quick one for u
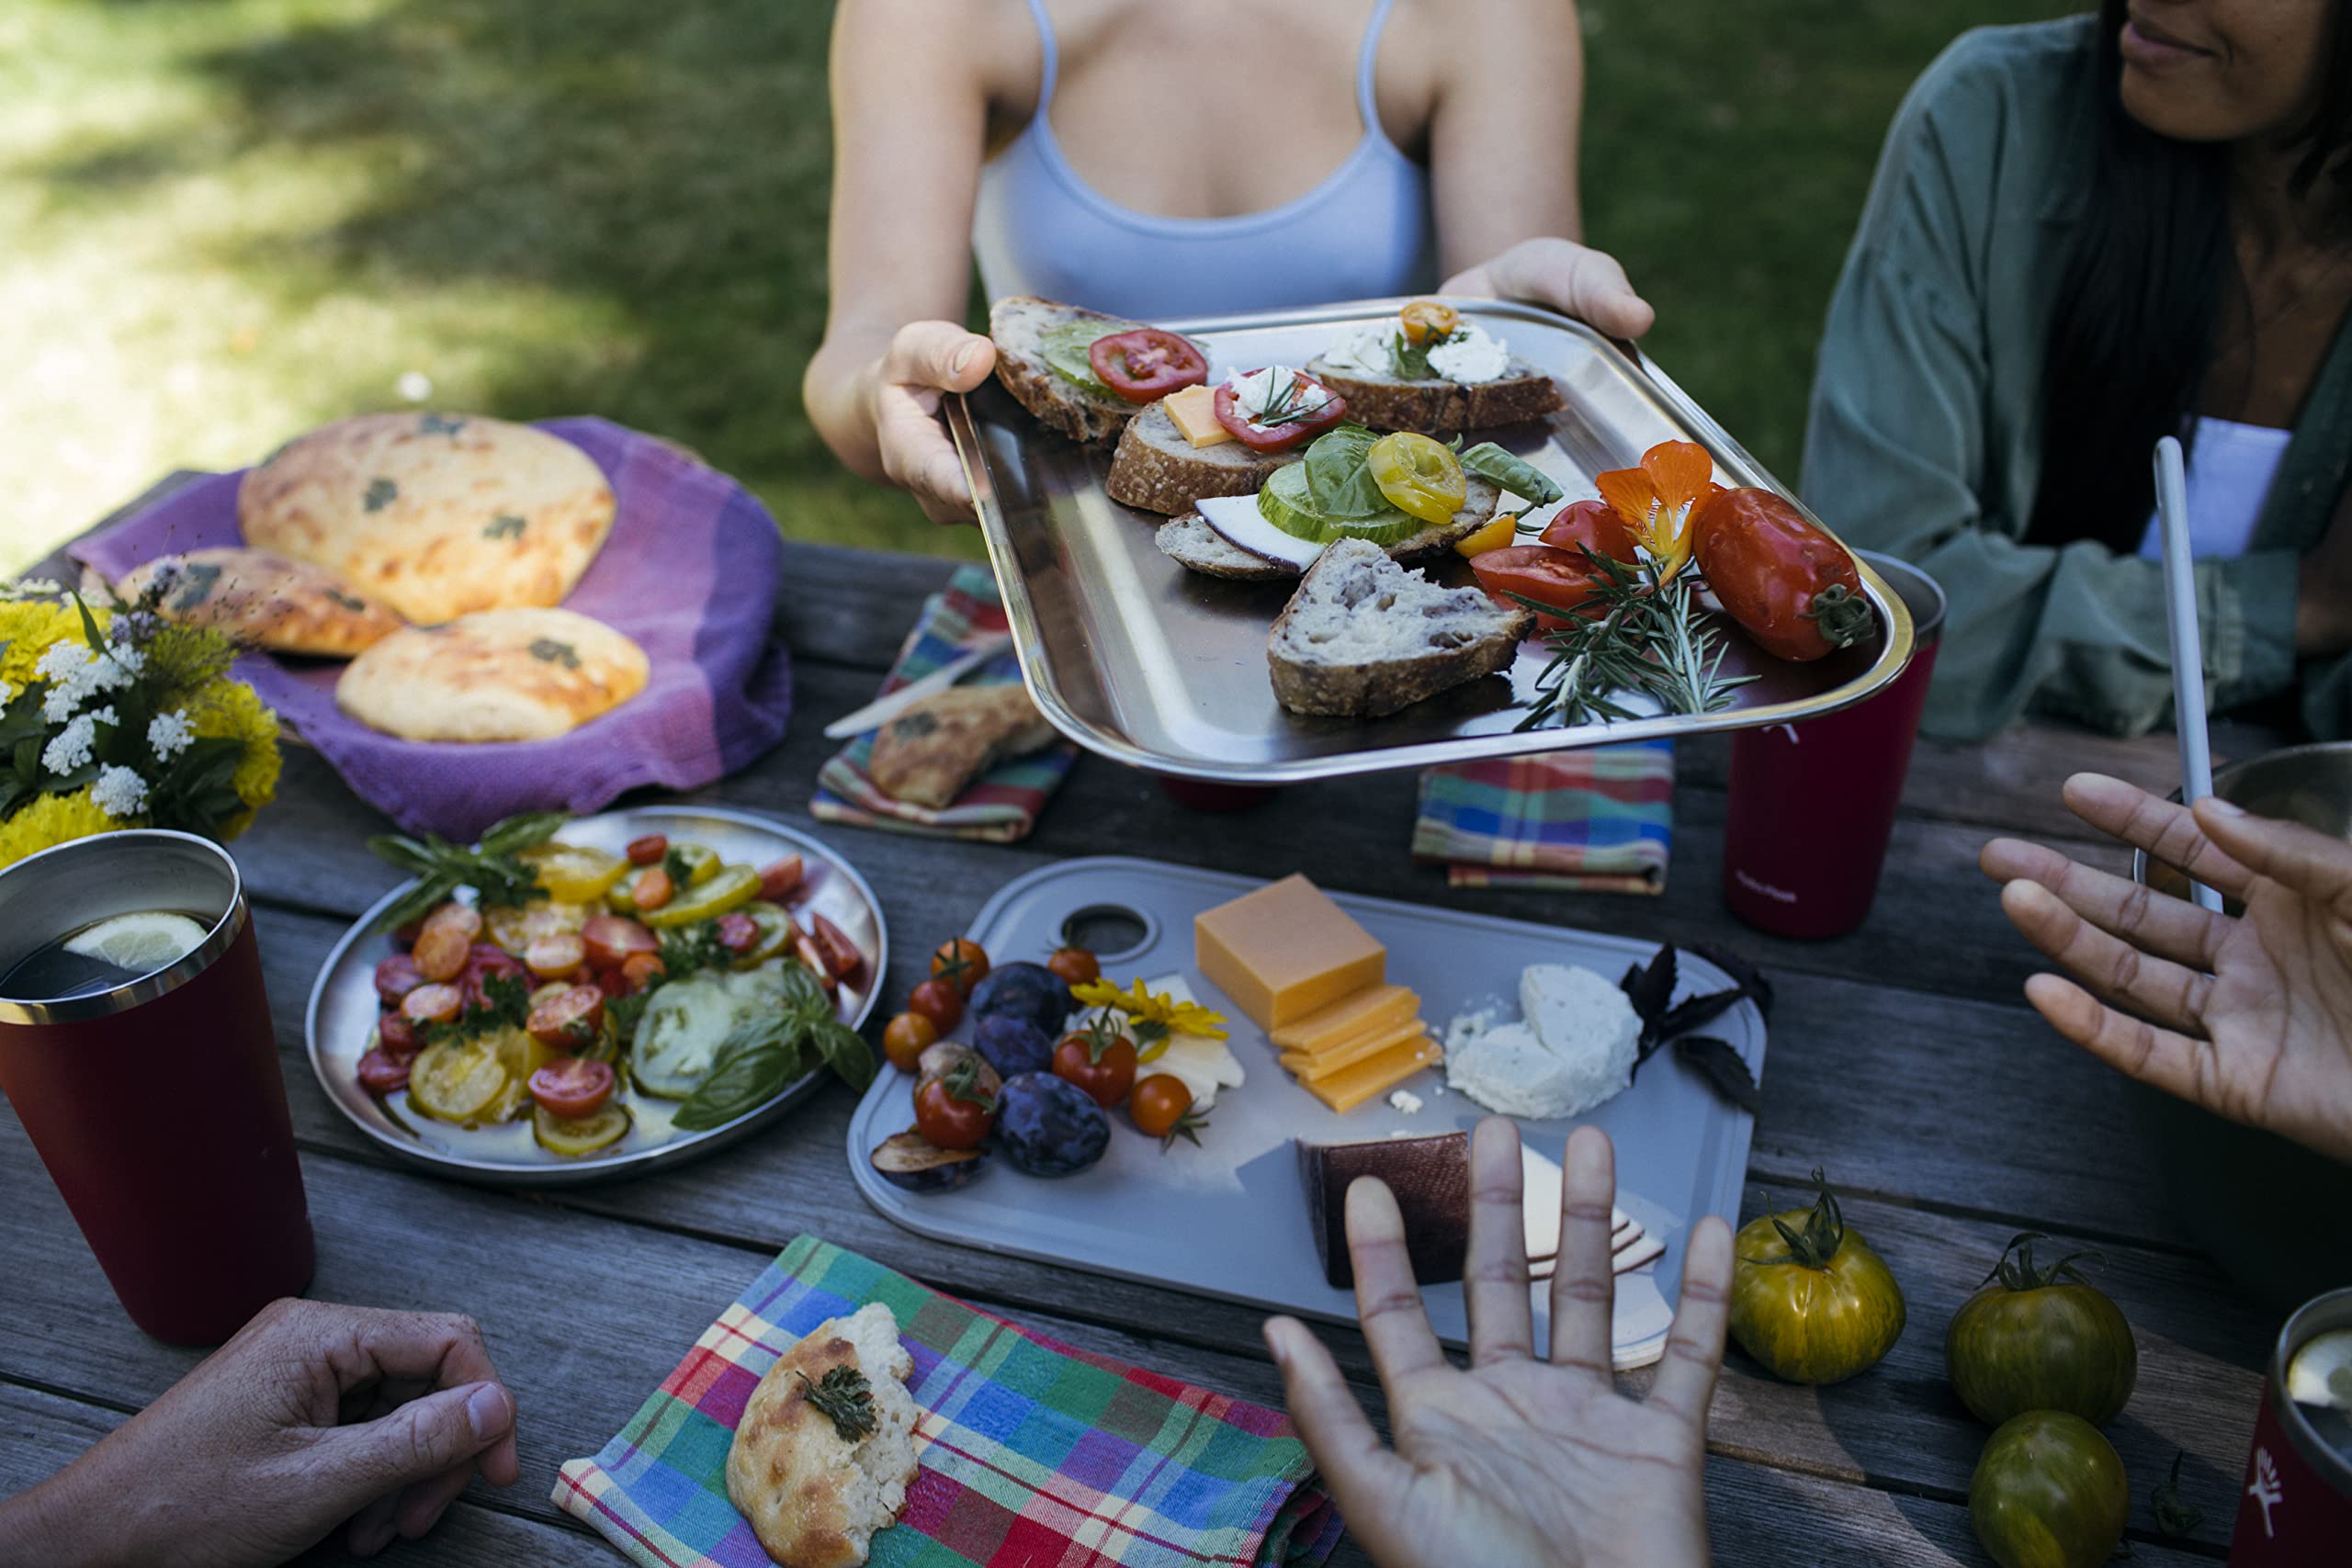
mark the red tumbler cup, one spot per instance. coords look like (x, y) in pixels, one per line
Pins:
(1812, 804)
(158, 1105)
(2295, 1507)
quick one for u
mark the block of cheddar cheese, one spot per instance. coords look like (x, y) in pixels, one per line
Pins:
(1350, 1087)
(1368, 1009)
(1284, 950)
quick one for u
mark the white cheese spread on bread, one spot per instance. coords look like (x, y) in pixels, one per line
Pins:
(1471, 355)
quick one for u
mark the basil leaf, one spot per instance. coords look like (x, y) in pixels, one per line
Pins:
(1515, 474)
(741, 1080)
(1412, 358)
(845, 1050)
(521, 832)
(406, 854)
(1064, 349)
(1338, 481)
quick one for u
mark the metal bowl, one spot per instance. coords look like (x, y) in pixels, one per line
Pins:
(2273, 1215)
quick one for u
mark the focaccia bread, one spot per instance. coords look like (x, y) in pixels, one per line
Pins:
(264, 601)
(927, 754)
(495, 675)
(825, 1450)
(436, 514)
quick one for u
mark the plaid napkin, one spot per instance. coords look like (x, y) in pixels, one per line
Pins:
(1594, 821)
(1031, 1452)
(1002, 803)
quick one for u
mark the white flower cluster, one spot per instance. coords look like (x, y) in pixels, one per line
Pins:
(75, 675)
(120, 792)
(169, 734)
(70, 747)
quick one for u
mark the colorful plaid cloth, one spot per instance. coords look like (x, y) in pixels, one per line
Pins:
(1004, 802)
(1588, 821)
(1031, 1452)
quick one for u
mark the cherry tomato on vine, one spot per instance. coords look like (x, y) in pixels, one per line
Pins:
(1074, 965)
(1159, 1105)
(1099, 1061)
(962, 960)
(938, 1000)
(905, 1038)
(953, 1110)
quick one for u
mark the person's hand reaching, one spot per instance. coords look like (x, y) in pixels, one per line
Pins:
(1514, 1460)
(1572, 278)
(313, 1415)
(2250, 1016)
(925, 361)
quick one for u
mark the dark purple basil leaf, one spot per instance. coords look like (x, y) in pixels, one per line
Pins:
(1692, 1012)
(1722, 1066)
(1651, 986)
(1751, 978)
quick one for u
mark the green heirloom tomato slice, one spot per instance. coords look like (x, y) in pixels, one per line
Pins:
(734, 886)
(679, 1037)
(777, 931)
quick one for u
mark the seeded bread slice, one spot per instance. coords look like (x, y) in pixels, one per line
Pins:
(1158, 469)
(1190, 541)
(1438, 407)
(1362, 637)
(1018, 325)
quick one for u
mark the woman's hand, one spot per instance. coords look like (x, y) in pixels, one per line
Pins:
(314, 1414)
(1573, 278)
(2252, 1016)
(925, 361)
(1515, 1462)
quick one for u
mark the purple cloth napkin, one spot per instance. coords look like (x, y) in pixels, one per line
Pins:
(691, 571)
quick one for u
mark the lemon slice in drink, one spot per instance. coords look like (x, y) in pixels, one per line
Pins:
(2320, 1373)
(142, 943)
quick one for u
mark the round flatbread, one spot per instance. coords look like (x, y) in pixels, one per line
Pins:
(438, 515)
(262, 600)
(495, 675)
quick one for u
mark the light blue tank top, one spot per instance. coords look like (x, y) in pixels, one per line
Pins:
(1364, 232)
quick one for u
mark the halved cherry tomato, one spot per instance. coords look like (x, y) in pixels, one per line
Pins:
(953, 1112)
(641, 967)
(567, 1021)
(842, 956)
(778, 878)
(1561, 580)
(395, 1035)
(653, 888)
(556, 957)
(1498, 533)
(1304, 421)
(1159, 1104)
(1419, 477)
(435, 1003)
(813, 959)
(381, 1073)
(649, 849)
(1147, 364)
(487, 961)
(441, 952)
(962, 960)
(738, 932)
(938, 1000)
(906, 1037)
(611, 939)
(572, 1088)
(463, 918)
(1101, 1063)
(1429, 321)
(610, 982)
(1790, 587)
(1595, 526)
(395, 977)
(1074, 965)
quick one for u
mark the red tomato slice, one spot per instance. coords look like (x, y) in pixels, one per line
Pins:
(738, 932)
(1594, 525)
(576, 1087)
(395, 977)
(486, 960)
(1294, 429)
(1145, 364)
(568, 1019)
(610, 938)
(1544, 574)
(841, 954)
(396, 1034)
(778, 879)
(382, 1073)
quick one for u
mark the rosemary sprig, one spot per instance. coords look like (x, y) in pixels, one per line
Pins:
(843, 1396)
(1649, 638)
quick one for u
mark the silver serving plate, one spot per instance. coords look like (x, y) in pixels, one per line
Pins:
(1132, 657)
(343, 1014)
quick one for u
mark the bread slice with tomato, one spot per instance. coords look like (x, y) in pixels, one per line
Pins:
(1043, 358)
(1156, 468)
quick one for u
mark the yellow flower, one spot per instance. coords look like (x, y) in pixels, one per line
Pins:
(1145, 1006)
(28, 628)
(230, 709)
(50, 820)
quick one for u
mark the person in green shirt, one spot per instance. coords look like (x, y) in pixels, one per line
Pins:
(2084, 235)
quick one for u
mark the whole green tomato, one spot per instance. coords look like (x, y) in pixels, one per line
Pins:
(1809, 1299)
(2048, 1491)
(2040, 1340)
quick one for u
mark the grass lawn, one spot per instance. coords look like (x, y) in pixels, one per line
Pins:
(230, 220)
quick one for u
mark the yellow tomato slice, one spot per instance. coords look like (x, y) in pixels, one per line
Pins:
(573, 874)
(516, 929)
(1430, 321)
(1494, 535)
(578, 1135)
(1417, 475)
(457, 1080)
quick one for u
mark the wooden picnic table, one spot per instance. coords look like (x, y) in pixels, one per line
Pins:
(1903, 1058)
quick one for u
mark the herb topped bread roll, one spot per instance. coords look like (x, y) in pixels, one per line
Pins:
(435, 515)
(496, 675)
(927, 754)
(825, 1451)
(263, 600)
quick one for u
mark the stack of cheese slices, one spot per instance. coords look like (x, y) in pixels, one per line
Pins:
(1316, 982)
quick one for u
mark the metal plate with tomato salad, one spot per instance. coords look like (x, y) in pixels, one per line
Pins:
(663, 991)
(1134, 657)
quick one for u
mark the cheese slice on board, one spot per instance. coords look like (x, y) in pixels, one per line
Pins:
(1375, 1074)
(1347, 1018)
(1314, 1069)
(1284, 950)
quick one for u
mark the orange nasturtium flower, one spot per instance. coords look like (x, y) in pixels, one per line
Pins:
(1658, 499)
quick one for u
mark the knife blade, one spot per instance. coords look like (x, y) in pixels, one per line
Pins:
(883, 709)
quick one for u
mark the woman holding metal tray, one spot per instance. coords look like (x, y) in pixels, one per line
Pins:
(1156, 160)
(2085, 235)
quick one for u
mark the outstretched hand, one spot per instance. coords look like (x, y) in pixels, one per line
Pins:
(1515, 1461)
(2248, 1016)
(313, 1415)
(1572, 278)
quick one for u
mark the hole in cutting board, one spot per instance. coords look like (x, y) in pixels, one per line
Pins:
(1109, 932)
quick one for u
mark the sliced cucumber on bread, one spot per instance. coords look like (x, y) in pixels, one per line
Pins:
(1363, 636)
(1194, 542)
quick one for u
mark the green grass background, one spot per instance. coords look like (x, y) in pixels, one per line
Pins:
(222, 221)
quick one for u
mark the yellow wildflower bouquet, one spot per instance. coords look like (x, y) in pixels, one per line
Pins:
(114, 717)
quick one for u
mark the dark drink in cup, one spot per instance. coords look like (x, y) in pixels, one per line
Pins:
(1811, 805)
(2295, 1500)
(136, 1048)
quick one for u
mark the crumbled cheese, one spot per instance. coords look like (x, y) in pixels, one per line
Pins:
(1257, 393)
(1371, 351)
(1406, 1100)
(1573, 1050)
(1471, 355)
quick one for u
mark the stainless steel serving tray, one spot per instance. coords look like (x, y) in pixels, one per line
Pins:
(1131, 655)
(342, 1014)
